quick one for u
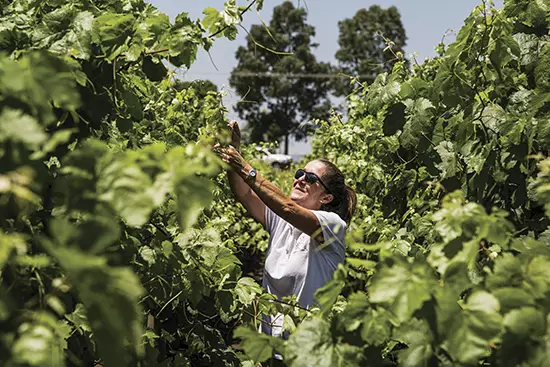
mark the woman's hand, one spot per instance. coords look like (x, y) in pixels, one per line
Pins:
(235, 134)
(231, 156)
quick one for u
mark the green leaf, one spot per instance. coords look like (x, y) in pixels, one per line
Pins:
(376, 328)
(211, 19)
(419, 114)
(42, 342)
(530, 13)
(111, 298)
(39, 261)
(10, 243)
(79, 320)
(455, 280)
(191, 168)
(383, 91)
(419, 338)
(289, 324)
(351, 317)
(185, 39)
(403, 286)
(147, 254)
(77, 39)
(415, 88)
(78, 175)
(111, 32)
(540, 355)
(457, 218)
(448, 165)
(133, 103)
(154, 69)
(247, 289)
(328, 294)
(507, 272)
(17, 127)
(474, 329)
(93, 234)
(537, 277)
(395, 119)
(525, 322)
(257, 346)
(58, 138)
(124, 186)
(54, 78)
(312, 345)
(513, 297)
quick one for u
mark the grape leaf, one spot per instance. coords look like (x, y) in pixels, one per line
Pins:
(403, 287)
(419, 338)
(312, 344)
(474, 328)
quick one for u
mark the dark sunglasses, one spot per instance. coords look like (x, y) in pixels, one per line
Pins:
(311, 178)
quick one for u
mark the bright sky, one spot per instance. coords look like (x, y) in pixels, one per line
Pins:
(425, 22)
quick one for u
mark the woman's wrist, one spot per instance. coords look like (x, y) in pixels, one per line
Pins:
(246, 168)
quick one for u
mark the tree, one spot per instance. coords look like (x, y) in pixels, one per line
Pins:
(363, 53)
(273, 77)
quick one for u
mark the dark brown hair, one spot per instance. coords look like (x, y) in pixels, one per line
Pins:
(345, 198)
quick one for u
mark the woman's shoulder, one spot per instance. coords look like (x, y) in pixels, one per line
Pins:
(329, 218)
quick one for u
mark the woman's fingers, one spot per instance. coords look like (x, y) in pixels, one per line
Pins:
(229, 155)
(235, 132)
(225, 156)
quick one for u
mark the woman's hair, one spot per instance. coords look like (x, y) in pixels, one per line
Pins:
(345, 198)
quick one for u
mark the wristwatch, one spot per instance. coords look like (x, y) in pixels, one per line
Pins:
(251, 175)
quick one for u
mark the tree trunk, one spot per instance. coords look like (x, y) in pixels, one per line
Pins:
(287, 138)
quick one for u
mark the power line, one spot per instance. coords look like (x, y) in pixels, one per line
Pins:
(244, 74)
(293, 75)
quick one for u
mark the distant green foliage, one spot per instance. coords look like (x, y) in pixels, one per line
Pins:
(370, 43)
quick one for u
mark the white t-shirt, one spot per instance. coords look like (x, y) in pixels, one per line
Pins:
(297, 264)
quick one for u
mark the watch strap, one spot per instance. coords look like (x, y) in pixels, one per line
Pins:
(251, 175)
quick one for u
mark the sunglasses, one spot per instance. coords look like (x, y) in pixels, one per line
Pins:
(311, 178)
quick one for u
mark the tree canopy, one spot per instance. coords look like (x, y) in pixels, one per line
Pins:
(273, 77)
(364, 41)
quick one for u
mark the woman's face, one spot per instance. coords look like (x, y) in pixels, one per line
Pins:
(310, 196)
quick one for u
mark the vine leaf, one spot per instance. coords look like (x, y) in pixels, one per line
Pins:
(111, 298)
(474, 328)
(257, 346)
(419, 338)
(403, 287)
(448, 165)
(328, 294)
(525, 322)
(312, 345)
(41, 342)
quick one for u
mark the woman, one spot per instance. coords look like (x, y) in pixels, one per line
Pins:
(307, 230)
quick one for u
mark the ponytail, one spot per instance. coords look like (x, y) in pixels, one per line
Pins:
(345, 200)
(352, 203)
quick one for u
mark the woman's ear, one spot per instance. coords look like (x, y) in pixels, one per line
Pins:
(327, 199)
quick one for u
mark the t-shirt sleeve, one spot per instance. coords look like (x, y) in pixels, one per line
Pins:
(271, 220)
(334, 233)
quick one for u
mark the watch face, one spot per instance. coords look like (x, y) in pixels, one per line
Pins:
(252, 173)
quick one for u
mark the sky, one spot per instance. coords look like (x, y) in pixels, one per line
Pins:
(425, 22)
